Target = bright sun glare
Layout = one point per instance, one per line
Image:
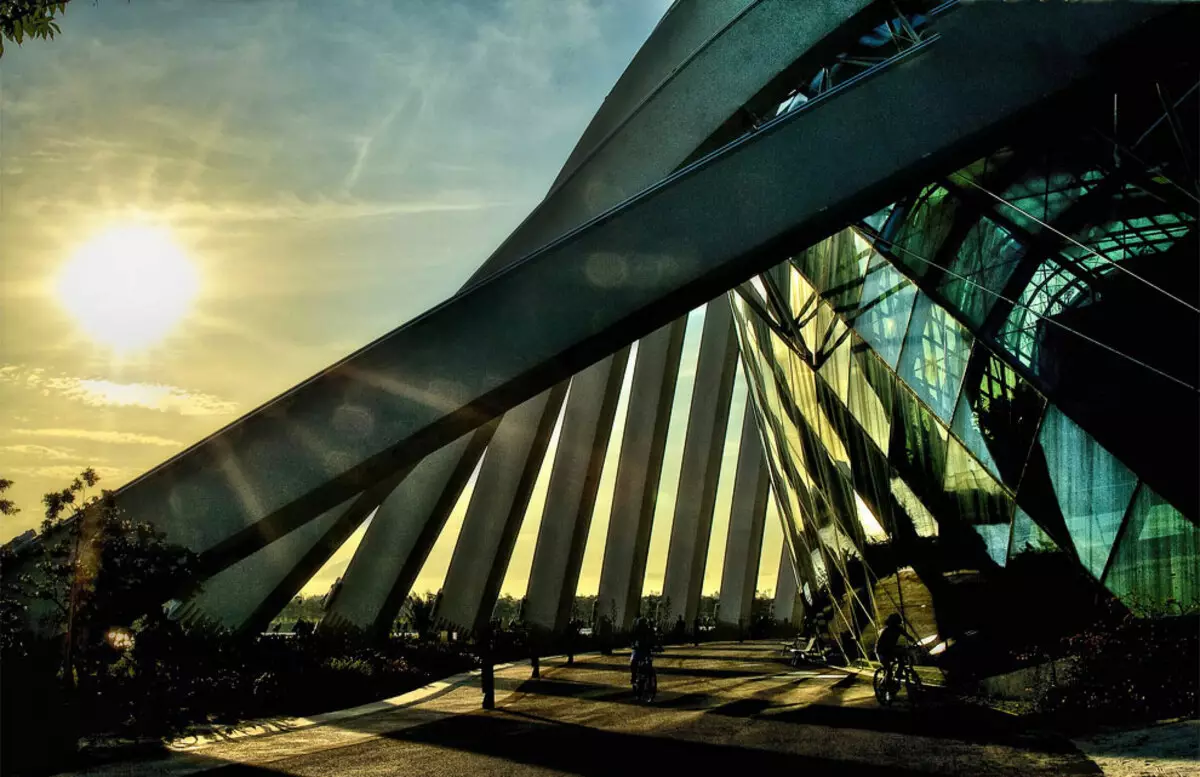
(128, 285)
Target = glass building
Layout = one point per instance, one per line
(979, 403)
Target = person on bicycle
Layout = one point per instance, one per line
(887, 646)
(642, 641)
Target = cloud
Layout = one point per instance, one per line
(41, 452)
(106, 393)
(118, 438)
(68, 472)
(287, 207)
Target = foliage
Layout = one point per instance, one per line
(1124, 669)
(21, 19)
(6, 505)
(417, 615)
(310, 608)
(71, 604)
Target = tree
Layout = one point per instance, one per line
(92, 570)
(21, 19)
(6, 505)
(421, 613)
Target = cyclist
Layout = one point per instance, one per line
(642, 641)
(887, 646)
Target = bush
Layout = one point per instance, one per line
(1128, 669)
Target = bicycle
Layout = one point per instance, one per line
(887, 684)
(645, 681)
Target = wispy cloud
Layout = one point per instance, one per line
(288, 207)
(41, 452)
(107, 393)
(93, 435)
(68, 472)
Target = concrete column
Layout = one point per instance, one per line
(746, 521)
(639, 467)
(787, 593)
(506, 479)
(704, 445)
(574, 481)
(400, 536)
(245, 597)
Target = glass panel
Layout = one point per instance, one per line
(918, 447)
(918, 514)
(836, 369)
(871, 527)
(1093, 488)
(922, 233)
(1156, 568)
(1028, 537)
(935, 355)
(997, 415)
(835, 266)
(887, 303)
(985, 260)
(974, 494)
(995, 539)
(866, 405)
(1052, 290)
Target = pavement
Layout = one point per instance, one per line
(722, 707)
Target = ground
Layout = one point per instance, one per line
(722, 707)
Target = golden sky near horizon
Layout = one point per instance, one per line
(203, 204)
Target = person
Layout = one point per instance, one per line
(642, 642)
(887, 645)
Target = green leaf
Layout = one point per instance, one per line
(18, 31)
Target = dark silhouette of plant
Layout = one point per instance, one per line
(21, 19)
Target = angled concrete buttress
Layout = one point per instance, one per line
(574, 481)
(639, 467)
(506, 478)
(629, 272)
(400, 536)
(788, 607)
(245, 597)
(703, 449)
(747, 519)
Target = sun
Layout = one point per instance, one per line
(128, 285)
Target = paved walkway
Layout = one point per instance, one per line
(721, 708)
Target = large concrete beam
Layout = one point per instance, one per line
(703, 449)
(623, 275)
(708, 59)
(403, 531)
(635, 492)
(747, 519)
(506, 479)
(571, 498)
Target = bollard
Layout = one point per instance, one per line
(488, 675)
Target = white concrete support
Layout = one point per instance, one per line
(571, 498)
(639, 467)
(510, 469)
(747, 519)
(788, 607)
(400, 536)
(703, 448)
(245, 597)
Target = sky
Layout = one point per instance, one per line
(325, 177)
